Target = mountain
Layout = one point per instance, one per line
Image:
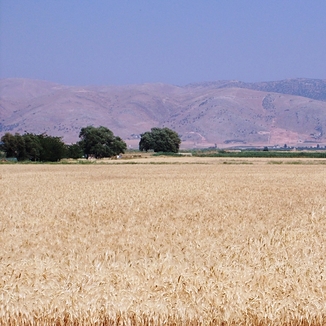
(311, 88)
(224, 113)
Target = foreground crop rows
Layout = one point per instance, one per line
(162, 244)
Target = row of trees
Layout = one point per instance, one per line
(94, 141)
(37, 147)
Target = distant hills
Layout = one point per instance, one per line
(311, 88)
(221, 113)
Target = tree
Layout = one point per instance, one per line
(160, 140)
(100, 142)
(146, 141)
(33, 147)
(52, 148)
(74, 151)
(13, 145)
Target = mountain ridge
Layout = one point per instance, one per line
(306, 87)
(220, 113)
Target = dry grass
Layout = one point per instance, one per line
(150, 159)
(177, 244)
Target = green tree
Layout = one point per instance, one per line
(52, 148)
(33, 146)
(74, 151)
(100, 142)
(146, 141)
(160, 140)
(13, 145)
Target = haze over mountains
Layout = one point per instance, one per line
(222, 113)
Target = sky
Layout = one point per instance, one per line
(118, 42)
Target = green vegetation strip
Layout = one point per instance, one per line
(260, 154)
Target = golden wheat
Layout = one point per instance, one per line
(173, 244)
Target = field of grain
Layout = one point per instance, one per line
(163, 244)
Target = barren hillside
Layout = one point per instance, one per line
(224, 113)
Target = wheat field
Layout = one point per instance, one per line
(163, 244)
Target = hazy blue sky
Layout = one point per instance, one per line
(101, 42)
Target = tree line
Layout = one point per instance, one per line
(97, 142)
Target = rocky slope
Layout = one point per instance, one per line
(224, 113)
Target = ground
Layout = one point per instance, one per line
(172, 240)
